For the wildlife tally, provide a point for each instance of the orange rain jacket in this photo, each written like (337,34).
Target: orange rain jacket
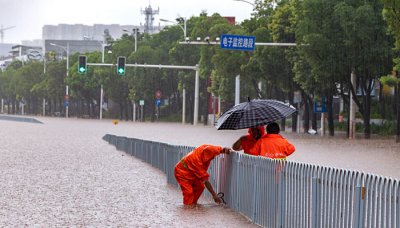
(249,141)
(191,171)
(273,146)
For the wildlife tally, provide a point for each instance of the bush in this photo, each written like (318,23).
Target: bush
(387,128)
(340,126)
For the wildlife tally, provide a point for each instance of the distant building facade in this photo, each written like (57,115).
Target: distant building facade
(5,49)
(60,47)
(87,32)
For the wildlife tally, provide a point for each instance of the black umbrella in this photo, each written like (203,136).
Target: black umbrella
(254,113)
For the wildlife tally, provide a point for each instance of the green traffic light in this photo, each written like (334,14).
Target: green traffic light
(121,71)
(82,64)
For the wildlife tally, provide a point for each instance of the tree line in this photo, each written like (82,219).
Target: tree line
(334,38)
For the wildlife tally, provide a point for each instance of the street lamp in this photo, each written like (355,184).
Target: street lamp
(103,46)
(179,21)
(135,32)
(245,2)
(66,49)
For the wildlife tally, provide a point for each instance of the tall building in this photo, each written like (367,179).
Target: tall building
(88,32)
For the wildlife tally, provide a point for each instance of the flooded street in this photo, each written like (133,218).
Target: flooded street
(61,173)
(380,156)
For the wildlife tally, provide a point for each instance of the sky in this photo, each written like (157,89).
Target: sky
(29,16)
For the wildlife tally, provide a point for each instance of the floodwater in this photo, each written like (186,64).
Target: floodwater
(378,155)
(61,173)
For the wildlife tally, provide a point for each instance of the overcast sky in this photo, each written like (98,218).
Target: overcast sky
(29,16)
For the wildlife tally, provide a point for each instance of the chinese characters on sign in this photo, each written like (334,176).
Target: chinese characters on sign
(237,42)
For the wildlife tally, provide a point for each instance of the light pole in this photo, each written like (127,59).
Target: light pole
(66,49)
(135,32)
(103,45)
(246,2)
(179,20)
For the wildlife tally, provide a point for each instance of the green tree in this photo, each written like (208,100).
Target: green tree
(391,14)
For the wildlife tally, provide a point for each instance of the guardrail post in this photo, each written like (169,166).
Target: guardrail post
(238,171)
(316,202)
(359,198)
(280,214)
(254,191)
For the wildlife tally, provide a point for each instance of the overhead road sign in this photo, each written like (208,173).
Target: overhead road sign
(237,42)
(219,43)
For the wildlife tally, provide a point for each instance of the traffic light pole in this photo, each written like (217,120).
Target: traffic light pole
(196,90)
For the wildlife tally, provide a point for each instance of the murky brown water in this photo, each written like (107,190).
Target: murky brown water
(62,174)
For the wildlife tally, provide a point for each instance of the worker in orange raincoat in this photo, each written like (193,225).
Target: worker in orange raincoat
(247,142)
(191,173)
(273,145)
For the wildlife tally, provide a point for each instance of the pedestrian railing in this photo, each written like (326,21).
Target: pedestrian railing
(275,193)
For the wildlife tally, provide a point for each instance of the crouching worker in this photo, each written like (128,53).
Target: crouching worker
(191,173)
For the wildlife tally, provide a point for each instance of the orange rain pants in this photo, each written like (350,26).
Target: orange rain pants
(191,172)
(191,189)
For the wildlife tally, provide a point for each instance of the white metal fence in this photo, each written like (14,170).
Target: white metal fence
(285,194)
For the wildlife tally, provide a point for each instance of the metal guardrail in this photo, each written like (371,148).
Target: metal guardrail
(285,194)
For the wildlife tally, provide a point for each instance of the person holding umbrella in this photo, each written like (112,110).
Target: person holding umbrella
(273,145)
(191,173)
(247,142)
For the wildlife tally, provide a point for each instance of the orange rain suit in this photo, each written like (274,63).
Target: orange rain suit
(191,172)
(273,146)
(249,141)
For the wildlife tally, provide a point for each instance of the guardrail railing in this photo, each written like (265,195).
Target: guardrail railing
(283,193)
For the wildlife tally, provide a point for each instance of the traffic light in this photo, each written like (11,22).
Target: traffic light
(82,67)
(121,65)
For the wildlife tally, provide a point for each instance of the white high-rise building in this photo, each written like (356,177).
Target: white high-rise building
(90,32)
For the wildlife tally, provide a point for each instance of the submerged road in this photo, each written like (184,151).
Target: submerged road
(61,173)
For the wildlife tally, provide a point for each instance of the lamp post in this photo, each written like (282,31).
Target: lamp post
(179,20)
(134,33)
(245,2)
(66,49)
(103,46)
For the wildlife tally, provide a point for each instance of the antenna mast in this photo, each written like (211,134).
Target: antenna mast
(149,17)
